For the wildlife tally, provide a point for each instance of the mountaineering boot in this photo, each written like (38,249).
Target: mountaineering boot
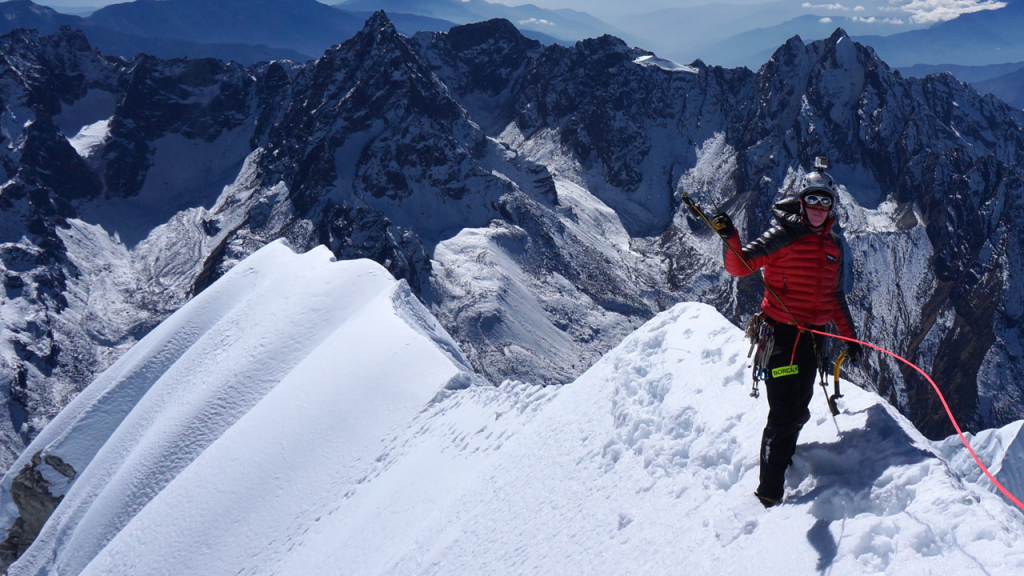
(768,502)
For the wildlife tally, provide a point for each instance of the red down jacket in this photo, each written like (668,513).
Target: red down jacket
(804,268)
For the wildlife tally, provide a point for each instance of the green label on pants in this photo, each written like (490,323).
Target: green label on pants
(785,371)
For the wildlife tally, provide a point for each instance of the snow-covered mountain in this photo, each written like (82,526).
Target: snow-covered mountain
(272,427)
(529,195)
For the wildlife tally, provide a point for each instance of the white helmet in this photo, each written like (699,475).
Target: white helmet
(819,182)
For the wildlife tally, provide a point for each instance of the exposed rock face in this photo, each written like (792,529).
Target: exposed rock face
(530,196)
(31,494)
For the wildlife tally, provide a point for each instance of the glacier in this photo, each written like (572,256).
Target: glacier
(308,416)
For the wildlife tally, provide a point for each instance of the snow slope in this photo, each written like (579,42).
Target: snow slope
(328,452)
(1002,451)
(645,465)
(268,388)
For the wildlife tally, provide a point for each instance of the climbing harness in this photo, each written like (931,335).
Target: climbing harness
(700,213)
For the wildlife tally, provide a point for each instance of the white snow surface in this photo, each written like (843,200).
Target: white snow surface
(308,417)
(1000,449)
(274,384)
(664,64)
(91,138)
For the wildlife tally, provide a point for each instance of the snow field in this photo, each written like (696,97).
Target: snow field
(646,464)
(664,64)
(308,417)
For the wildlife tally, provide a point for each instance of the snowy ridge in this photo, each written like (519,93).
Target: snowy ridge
(224,382)
(1002,451)
(90,138)
(353,464)
(664,64)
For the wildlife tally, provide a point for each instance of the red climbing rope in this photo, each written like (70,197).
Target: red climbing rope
(944,405)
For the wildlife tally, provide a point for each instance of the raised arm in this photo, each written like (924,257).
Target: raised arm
(757,253)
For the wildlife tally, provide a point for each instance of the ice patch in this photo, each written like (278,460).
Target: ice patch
(91,138)
(664,64)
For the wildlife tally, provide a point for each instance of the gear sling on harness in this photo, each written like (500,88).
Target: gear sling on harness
(762,337)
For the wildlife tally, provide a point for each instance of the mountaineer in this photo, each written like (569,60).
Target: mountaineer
(803,274)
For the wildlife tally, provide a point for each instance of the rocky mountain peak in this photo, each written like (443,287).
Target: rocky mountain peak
(497,31)
(379,27)
(836,36)
(608,49)
(481,64)
(373,77)
(377,49)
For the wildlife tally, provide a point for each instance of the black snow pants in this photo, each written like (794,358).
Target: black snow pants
(789,394)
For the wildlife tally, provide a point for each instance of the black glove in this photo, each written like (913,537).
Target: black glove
(854,352)
(723,225)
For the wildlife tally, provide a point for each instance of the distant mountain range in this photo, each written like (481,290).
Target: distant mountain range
(25,14)
(564,25)
(1005,81)
(1008,87)
(246,32)
(986,37)
(82,11)
(306,26)
(733,35)
(717,33)
(754,47)
(970,74)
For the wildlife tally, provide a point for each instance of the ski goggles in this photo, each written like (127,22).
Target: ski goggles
(817,201)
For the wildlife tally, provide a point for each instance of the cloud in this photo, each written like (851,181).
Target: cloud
(873,20)
(535,21)
(825,6)
(859,9)
(825,20)
(932,11)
